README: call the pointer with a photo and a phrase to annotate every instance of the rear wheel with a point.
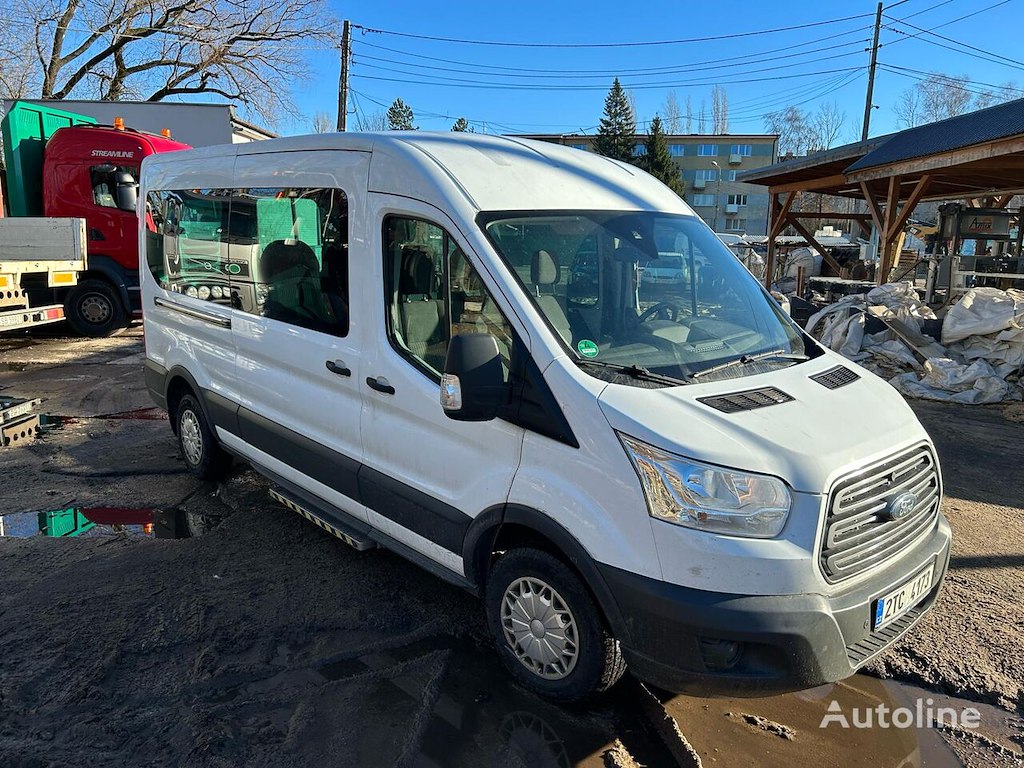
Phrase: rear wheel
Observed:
(547, 629)
(94, 308)
(199, 448)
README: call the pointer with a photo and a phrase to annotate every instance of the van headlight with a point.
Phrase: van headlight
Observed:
(706, 497)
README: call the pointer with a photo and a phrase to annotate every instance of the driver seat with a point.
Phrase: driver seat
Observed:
(544, 271)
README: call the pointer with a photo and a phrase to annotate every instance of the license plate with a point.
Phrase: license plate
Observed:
(890, 607)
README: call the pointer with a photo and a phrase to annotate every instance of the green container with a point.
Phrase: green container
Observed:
(26, 129)
(64, 522)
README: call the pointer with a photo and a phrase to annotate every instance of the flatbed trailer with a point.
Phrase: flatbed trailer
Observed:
(38, 258)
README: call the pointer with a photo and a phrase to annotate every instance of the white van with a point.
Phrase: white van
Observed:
(443, 344)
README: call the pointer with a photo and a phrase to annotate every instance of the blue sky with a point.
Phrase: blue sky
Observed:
(504, 89)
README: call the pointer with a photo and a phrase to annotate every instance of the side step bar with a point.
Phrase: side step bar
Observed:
(351, 537)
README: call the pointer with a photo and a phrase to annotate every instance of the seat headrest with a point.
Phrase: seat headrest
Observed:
(283, 255)
(543, 268)
(417, 274)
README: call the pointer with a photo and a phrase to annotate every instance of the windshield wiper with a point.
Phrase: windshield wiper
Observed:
(635, 372)
(775, 354)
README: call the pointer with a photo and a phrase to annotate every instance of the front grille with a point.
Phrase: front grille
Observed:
(880, 639)
(746, 400)
(837, 377)
(858, 533)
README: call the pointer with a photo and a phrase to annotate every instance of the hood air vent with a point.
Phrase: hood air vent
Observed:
(837, 377)
(747, 400)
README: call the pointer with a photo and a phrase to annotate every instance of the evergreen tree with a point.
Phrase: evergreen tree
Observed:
(400, 116)
(658, 161)
(462, 126)
(616, 135)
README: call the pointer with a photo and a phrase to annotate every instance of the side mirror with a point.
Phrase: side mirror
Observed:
(126, 191)
(473, 387)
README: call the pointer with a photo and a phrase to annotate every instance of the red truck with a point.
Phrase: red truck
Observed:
(61, 166)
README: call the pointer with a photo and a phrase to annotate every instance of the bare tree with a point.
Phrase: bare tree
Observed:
(378, 121)
(795, 129)
(828, 124)
(719, 110)
(702, 118)
(689, 114)
(321, 122)
(247, 51)
(908, 109)
(936, 97)
(673, 119)
(1008, 91)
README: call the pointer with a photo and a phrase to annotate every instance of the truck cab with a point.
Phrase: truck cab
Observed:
(91, 172)
(62, 166)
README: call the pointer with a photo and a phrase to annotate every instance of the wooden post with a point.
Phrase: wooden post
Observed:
(776, 223)
(887, 242)
(800, 275)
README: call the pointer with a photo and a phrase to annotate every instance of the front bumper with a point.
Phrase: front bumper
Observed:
(673, 636)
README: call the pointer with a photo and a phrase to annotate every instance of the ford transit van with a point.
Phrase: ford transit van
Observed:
(450, 345)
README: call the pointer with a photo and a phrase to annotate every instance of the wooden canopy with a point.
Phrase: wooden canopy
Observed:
(976, 156)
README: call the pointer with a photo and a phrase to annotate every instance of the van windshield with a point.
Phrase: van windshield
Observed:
(646, 292)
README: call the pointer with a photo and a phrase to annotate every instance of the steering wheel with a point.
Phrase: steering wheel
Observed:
(658, 309)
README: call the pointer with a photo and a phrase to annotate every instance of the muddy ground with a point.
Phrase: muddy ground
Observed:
(265, 642)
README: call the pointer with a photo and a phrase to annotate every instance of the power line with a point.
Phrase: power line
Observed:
(446, 79)
(620, 72)
(987, 55)
(641, 87)
(507, 44)
(660, 71)
(921, 75)
(947, 23)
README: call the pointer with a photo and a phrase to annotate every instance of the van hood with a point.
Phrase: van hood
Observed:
(808, 441)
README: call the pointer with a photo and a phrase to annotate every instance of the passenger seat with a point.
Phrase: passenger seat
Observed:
(422, 316)
(544, 271)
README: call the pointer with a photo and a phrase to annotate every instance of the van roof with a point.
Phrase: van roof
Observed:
(490, 173)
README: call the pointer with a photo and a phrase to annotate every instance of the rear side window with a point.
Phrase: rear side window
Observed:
(279, 253)
(433, 292)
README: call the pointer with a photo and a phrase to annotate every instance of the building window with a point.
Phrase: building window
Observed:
(743, 150)
(703, 201)
(705, 174)
(639, 150)
(579, 146)
(676, 150)
(728, 175)
(735, 224)
(737, 200)
(707, 150)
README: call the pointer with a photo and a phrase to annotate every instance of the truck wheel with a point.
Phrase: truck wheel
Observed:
(94, 308)
(547, 629)
(199, 448)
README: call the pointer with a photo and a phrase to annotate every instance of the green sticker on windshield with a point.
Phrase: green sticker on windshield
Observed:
(587, 348)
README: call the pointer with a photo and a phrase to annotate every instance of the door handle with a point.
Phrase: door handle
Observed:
(338, 367)
(380, 384)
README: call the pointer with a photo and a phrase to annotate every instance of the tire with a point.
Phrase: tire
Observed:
(198, 446)
(522, 578)
(94, 308)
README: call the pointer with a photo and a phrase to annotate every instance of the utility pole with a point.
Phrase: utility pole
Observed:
(871, 74)
(346, 54)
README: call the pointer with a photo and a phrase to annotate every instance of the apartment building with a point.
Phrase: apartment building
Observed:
(708, 165)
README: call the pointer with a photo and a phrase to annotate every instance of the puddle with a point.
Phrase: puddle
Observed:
(441, 701)
(858, 715)
(109, 521)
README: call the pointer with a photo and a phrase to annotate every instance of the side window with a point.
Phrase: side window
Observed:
(105, 180)
(287, 256)
(433, 293)
(184, 242)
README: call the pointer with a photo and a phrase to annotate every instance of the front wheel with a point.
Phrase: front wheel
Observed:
(547, 629)
(199, 448)
(94, 308)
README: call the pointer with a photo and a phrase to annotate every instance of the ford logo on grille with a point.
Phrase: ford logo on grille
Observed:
(901, 506)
